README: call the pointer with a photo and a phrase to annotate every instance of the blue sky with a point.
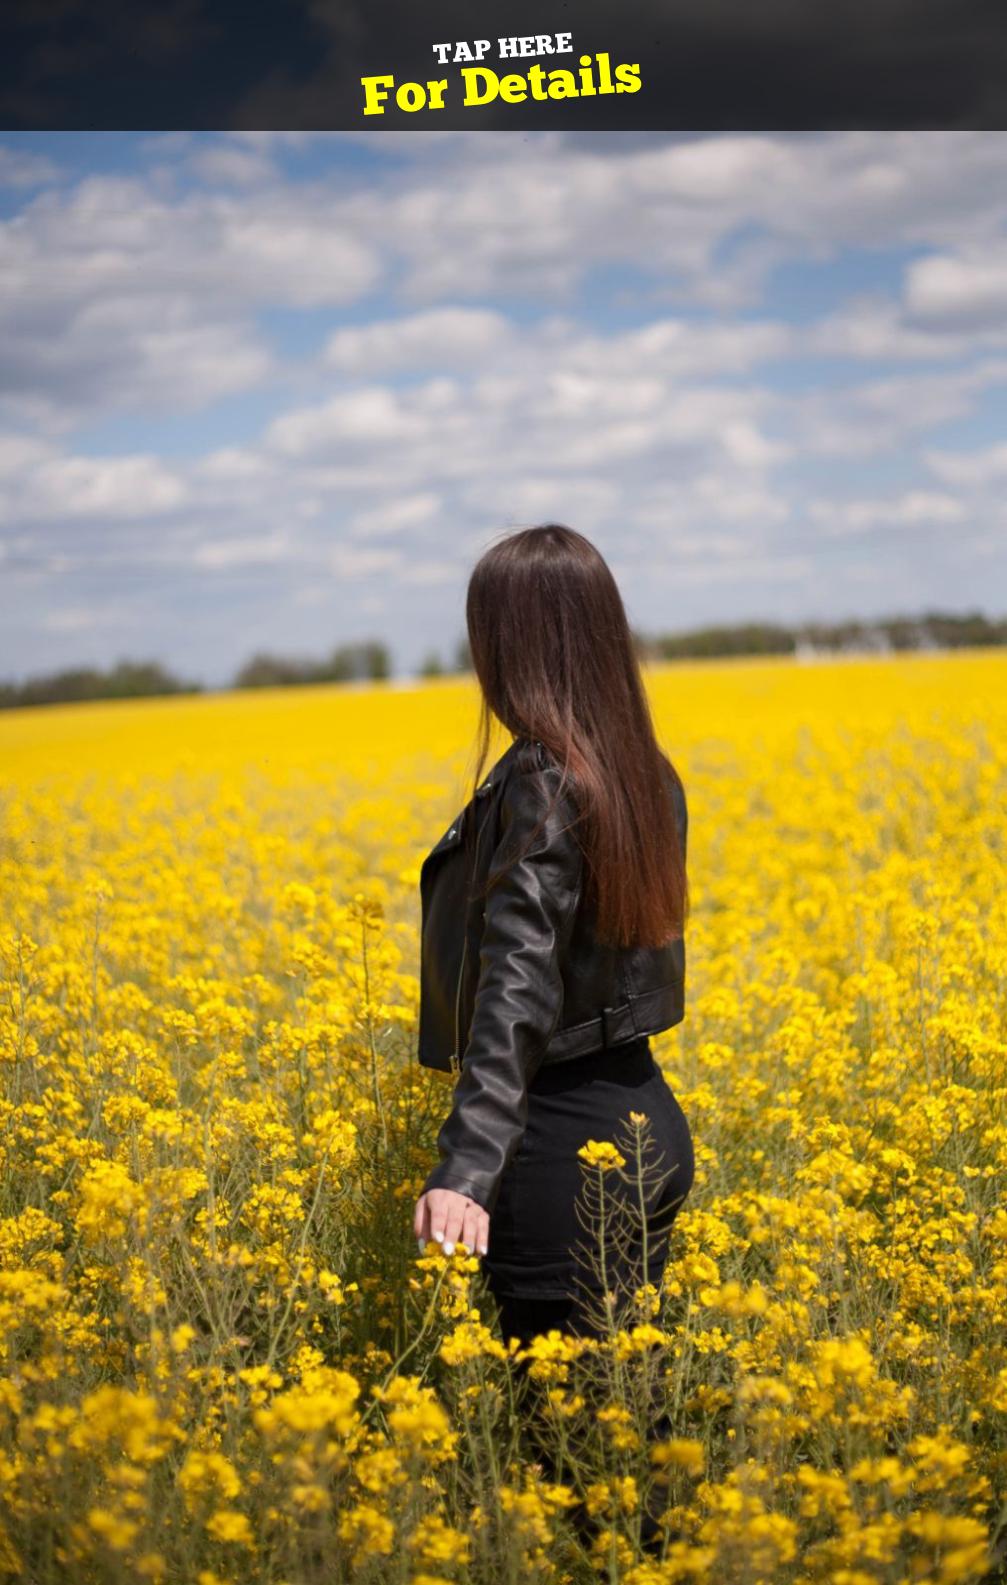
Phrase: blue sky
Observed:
(279, 390)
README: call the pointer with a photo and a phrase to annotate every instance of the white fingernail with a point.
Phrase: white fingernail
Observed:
(420, 1245)
(449, 1249)
(482, 1249)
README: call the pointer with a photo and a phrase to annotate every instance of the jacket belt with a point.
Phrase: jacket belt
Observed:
(637, 1015)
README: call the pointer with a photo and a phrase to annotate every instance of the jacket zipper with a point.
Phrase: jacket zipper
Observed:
(455, 1058)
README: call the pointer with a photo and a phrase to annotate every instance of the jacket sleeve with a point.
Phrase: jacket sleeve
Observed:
(529, 912)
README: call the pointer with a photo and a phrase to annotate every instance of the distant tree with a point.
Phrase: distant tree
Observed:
(752, 638)
(647, 647)
(901, 632)
(970, 628)
(377, 661)
(931, 630)
(346, 663)
(463, 656)
(129, 679)
(275, 671)
(126, 679)
(340, 665)
(368, 661)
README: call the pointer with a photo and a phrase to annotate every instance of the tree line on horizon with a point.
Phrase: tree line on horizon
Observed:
(370, 660)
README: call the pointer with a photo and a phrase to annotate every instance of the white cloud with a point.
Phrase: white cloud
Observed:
(736, 570)
(229, 165)
(248, 551)
(970, 469)
(871, 327)
(913, 509)
(518, 498)
(502, 331)
(18, 452)
(347, 561)
(135, 487)
(440, 337)
(968, 288)
(877, 415)
(232, 465)
(402, 514)
(131, 293)
(369, 416)
(111, 233)
(744, 443)
(117, 297)
(24, 168)
(94, 618)
(433, 572)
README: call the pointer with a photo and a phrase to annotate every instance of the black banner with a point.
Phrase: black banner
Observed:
(642, 64)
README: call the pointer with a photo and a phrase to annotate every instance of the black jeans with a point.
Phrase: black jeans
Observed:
(544, 1237)
(525, 1318)
(542, 1265)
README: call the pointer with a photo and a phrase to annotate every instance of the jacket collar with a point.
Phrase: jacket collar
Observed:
(453, 834)
(502, 765)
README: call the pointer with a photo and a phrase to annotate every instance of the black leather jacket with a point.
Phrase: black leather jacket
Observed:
(516, 978)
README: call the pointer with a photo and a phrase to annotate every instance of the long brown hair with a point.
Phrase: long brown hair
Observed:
(556, 661)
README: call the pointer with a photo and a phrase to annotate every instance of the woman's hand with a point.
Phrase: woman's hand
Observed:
(450, 1218)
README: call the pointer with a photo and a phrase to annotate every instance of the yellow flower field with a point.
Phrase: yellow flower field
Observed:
(222, 1358)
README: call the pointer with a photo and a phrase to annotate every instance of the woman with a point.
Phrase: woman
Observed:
(552, 917)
